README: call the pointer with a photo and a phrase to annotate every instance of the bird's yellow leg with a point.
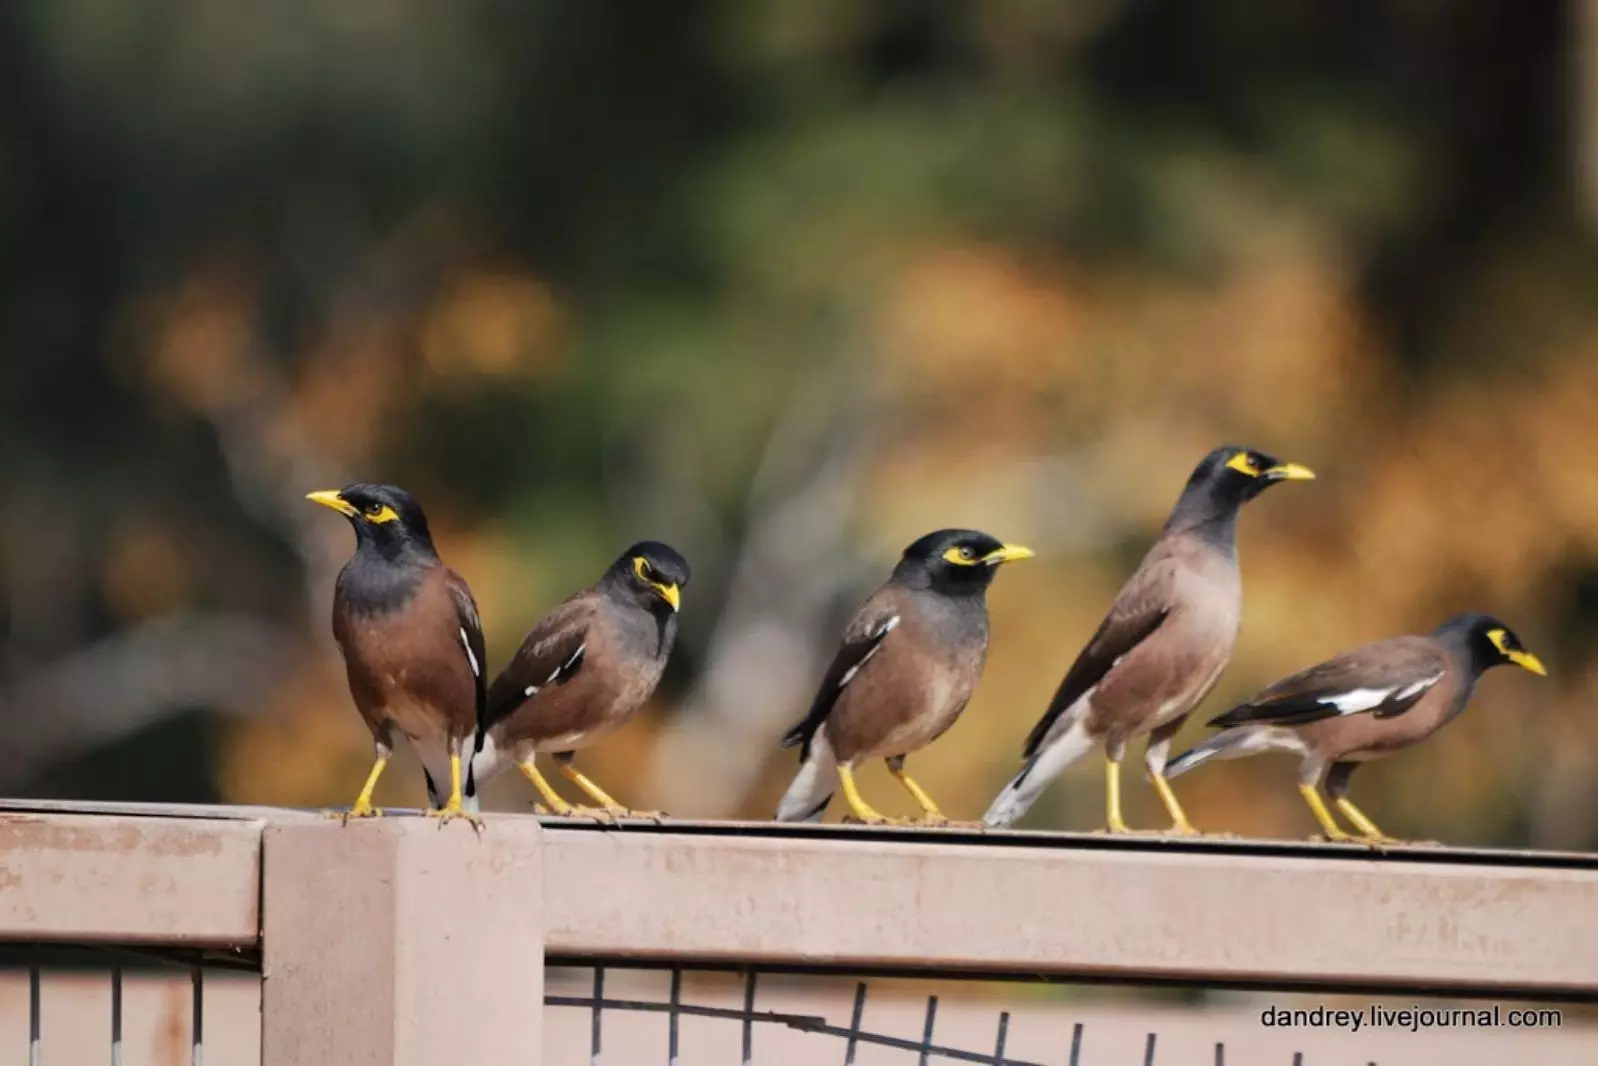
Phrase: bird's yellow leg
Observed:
(363, 803)
(862, 810)
(608, 807)
(455, 807)
(1179, 822)
(1370, 834)
(551, 798)
(1112, 797)
(1329, 825)
(929, 810)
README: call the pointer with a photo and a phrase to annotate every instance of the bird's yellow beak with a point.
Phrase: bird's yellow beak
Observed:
(1290, 472)
(1527, 661)
(671, 594)
(1010, 553)
(331, 498)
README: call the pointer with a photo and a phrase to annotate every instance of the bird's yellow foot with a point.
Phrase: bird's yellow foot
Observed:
(641, 816)
(453, 810)
(360, 810)
(881, 819)
(1182, 829)
(607, 815)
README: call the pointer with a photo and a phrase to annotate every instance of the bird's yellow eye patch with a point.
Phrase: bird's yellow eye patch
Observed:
(667, 590)
(383, 515)
(1243, 464)
(1523, 659)
(966, 556)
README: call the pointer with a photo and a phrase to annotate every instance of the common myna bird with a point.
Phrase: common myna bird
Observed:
(412, 643)
(909, 662)
(1362, 705)
(1168, 636)
(586, 667)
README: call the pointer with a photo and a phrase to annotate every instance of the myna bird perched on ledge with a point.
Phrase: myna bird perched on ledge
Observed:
(585, 668)
(1362, 705)
(412, 643)
(1169, 634)
(909, 662)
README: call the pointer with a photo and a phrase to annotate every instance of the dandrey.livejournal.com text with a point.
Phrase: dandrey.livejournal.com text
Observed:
(1413, 1019)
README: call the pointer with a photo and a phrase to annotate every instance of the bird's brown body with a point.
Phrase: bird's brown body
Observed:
(908, 698)
(408, 669)
(587, 667)
(412, 642)
(1192, 589)
(1361, 705)
(575, 712)
(908, 664)
(1362, 737)
(1161, 647)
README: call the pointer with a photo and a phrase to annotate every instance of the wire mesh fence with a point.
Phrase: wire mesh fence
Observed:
(748, 1018)
(60, 1006)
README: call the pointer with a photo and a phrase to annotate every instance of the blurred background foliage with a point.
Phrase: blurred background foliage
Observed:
(787, 285)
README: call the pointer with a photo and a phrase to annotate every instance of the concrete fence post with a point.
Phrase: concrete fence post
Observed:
(401, 942)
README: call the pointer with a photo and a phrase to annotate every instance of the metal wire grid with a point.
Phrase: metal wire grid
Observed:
(114, 963)
(853, 1036)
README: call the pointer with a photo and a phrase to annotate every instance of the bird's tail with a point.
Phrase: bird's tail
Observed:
(1053, 756)
(1234, 744)
(807, 798)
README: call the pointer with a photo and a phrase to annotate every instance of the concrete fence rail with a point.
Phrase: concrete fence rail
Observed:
(402, 941)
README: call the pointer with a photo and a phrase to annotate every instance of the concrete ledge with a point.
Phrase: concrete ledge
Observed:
(1108, 914)
(88, 878)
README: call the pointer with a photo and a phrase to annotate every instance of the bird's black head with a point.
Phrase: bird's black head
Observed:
(386, 520)
(652, 573)
(1486, 642)
(956, 560)
(1224, 481)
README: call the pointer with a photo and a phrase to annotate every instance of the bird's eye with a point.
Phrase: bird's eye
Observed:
(649, 573)
(372, 510)
(966, 552)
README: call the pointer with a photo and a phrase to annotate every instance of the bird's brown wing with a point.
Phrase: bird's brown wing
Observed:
(552, 654)
(471, 634)
(1139, 609)
(870, 626)
(1384, 679)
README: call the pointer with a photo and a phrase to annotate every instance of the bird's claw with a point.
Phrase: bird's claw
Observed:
(603, 815)
(451, 811)
(357, 811)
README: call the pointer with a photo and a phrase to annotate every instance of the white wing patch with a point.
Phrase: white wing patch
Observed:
(466, 642)
(1358, 700)
(570, 664)
(876, 636)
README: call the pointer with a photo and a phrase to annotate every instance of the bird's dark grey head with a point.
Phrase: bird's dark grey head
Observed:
(652, 573)
(1224, 481)
(387, 520)
(1484, 642)
(956, 561)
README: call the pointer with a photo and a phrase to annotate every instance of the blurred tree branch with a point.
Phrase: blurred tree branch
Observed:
(118, 685)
